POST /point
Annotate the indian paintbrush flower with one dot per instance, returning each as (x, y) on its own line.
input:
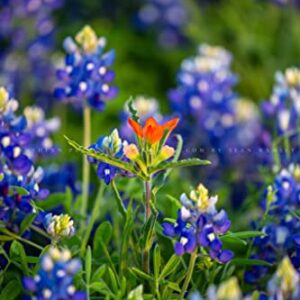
(152, 132)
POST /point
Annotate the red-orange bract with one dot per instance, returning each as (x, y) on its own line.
(152, 132)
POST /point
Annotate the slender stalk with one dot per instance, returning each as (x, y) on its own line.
(188, 274)
(94, 216)
(147, 189)
(17, 237)
(85, 163)
(119, 200)
(147, 192)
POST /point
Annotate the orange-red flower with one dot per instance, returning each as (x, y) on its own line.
(152, 132)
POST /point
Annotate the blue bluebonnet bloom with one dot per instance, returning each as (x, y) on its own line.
(27, 37)
(39, 131)
(282, 228)
(55, 279)
(145, 107)
(228, 126)
(199, 224)
(86, 75)
(113, 146)
(284, 101)
(19, 179)
(284, 284)
(283, 107)
(167, 17)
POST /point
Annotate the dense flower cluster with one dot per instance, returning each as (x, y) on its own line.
(27, 42)
(199, 224)
(19, 178)
(168, 18)
(111, 145)
(284, 101)
(206, 102)
(86, 75)
(282, 229)
(55, 279)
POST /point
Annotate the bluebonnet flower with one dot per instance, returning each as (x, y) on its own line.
(284, 284)
(167, 17)
(113, 146)
(20, 180)
(228, 125)
(86, 75)
(59, 177)
(282, 228)
(39, 131)
(283, 107)
(199, 224)
(59, 226)
(27, 37)
(55, 279)
(145, 107)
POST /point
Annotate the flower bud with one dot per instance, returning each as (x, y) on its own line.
(167, 152)
(87, 38)
(131, 152)
(59, 226)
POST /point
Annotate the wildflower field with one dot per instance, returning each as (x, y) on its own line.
(150, 149)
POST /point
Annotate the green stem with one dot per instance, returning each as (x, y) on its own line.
(119, 200)
(188, 274)
(147, 192)
(24, 240)
(85, 163)
(93, 219)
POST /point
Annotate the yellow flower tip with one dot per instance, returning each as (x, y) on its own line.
(288, 276)
(297, 173)
(292, 77)
(4, 96)
(33, 114)
(131, 151)
(201, 197)
(229, 289)
(87, 38)
(167, 152)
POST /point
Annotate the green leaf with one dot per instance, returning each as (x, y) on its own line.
(88, 265)
(5, 238)
(17, 253)
(52, 201)
(98, 287)
(11, 291)
(98, 274)
(246, 234)
(27, 222)
(141, 274)
(17, 189)
(170, 266)
(136, 294)
(181, 163)
(250, 262)
(156, 261)
(133, 111)
(68, 200)
(102, 236)
(113, 280)
(104, 158)
(232, 241)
